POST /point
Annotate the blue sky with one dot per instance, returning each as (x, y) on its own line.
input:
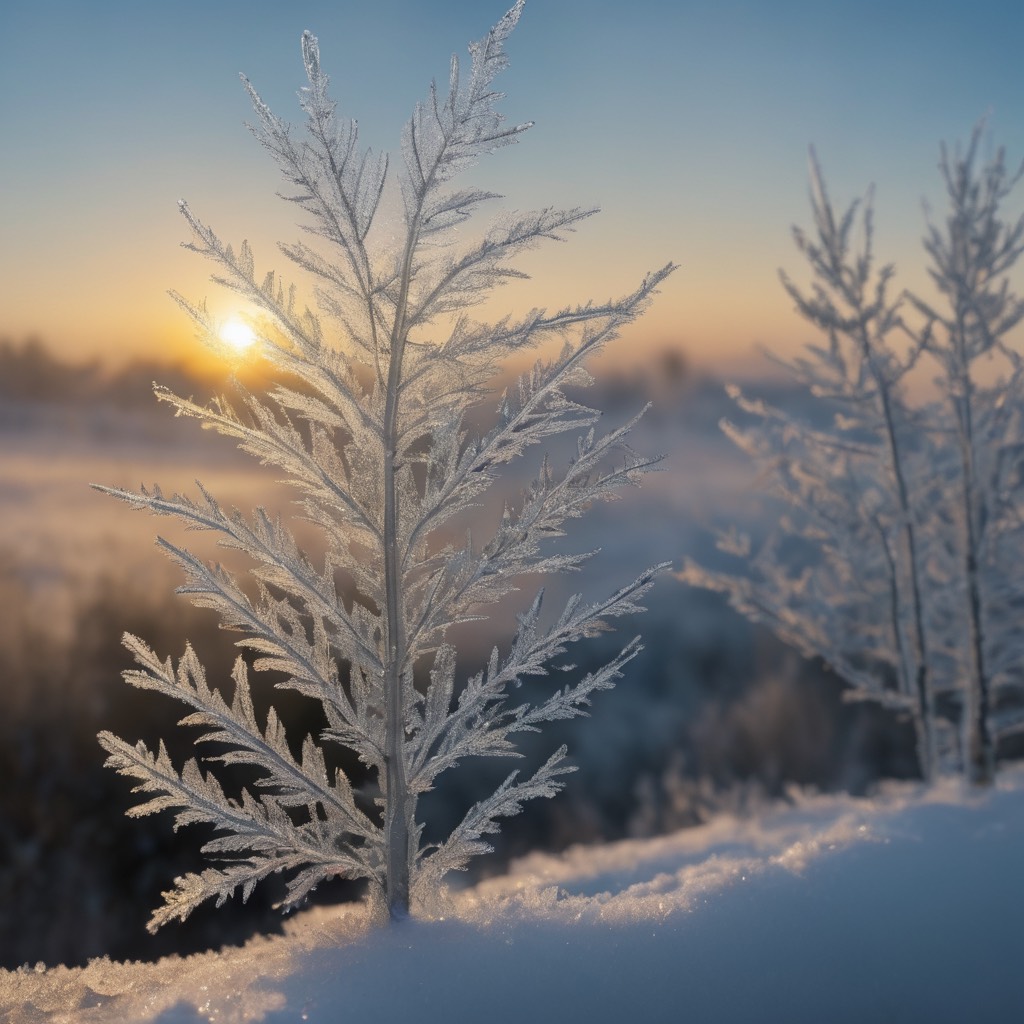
(687, 123)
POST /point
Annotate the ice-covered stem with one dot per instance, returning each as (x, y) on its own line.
(399, 801)
(468, 126)
(971, 259)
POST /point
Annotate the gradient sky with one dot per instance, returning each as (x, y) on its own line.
(688, 123)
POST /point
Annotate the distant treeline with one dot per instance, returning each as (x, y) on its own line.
(31, 372)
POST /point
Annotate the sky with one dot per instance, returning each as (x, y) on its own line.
(687, 123)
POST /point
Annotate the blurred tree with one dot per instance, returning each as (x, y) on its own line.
(898, 559)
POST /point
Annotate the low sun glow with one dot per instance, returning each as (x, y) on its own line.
(237, 335)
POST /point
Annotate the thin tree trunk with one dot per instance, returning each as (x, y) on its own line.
(924, 717)
(397, 799)
(398, 803)
(979, 750)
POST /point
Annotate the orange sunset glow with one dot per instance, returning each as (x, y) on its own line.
(237, 335)
(697, 154)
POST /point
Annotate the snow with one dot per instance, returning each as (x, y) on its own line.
(908, 906)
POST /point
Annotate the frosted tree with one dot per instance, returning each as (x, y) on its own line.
(373, 430)
(968, 331)
(841, 577)
(898, 561)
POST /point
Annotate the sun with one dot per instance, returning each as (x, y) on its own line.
(237, 335)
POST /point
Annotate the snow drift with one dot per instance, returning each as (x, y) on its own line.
(905, 907)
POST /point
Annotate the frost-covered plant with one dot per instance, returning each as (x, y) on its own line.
(841, 577)
(898, 560)
(375, 438)
(968, 331)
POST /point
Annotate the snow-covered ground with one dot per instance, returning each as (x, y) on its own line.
(908, 907)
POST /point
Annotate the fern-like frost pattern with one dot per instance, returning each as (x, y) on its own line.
(371, 429)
